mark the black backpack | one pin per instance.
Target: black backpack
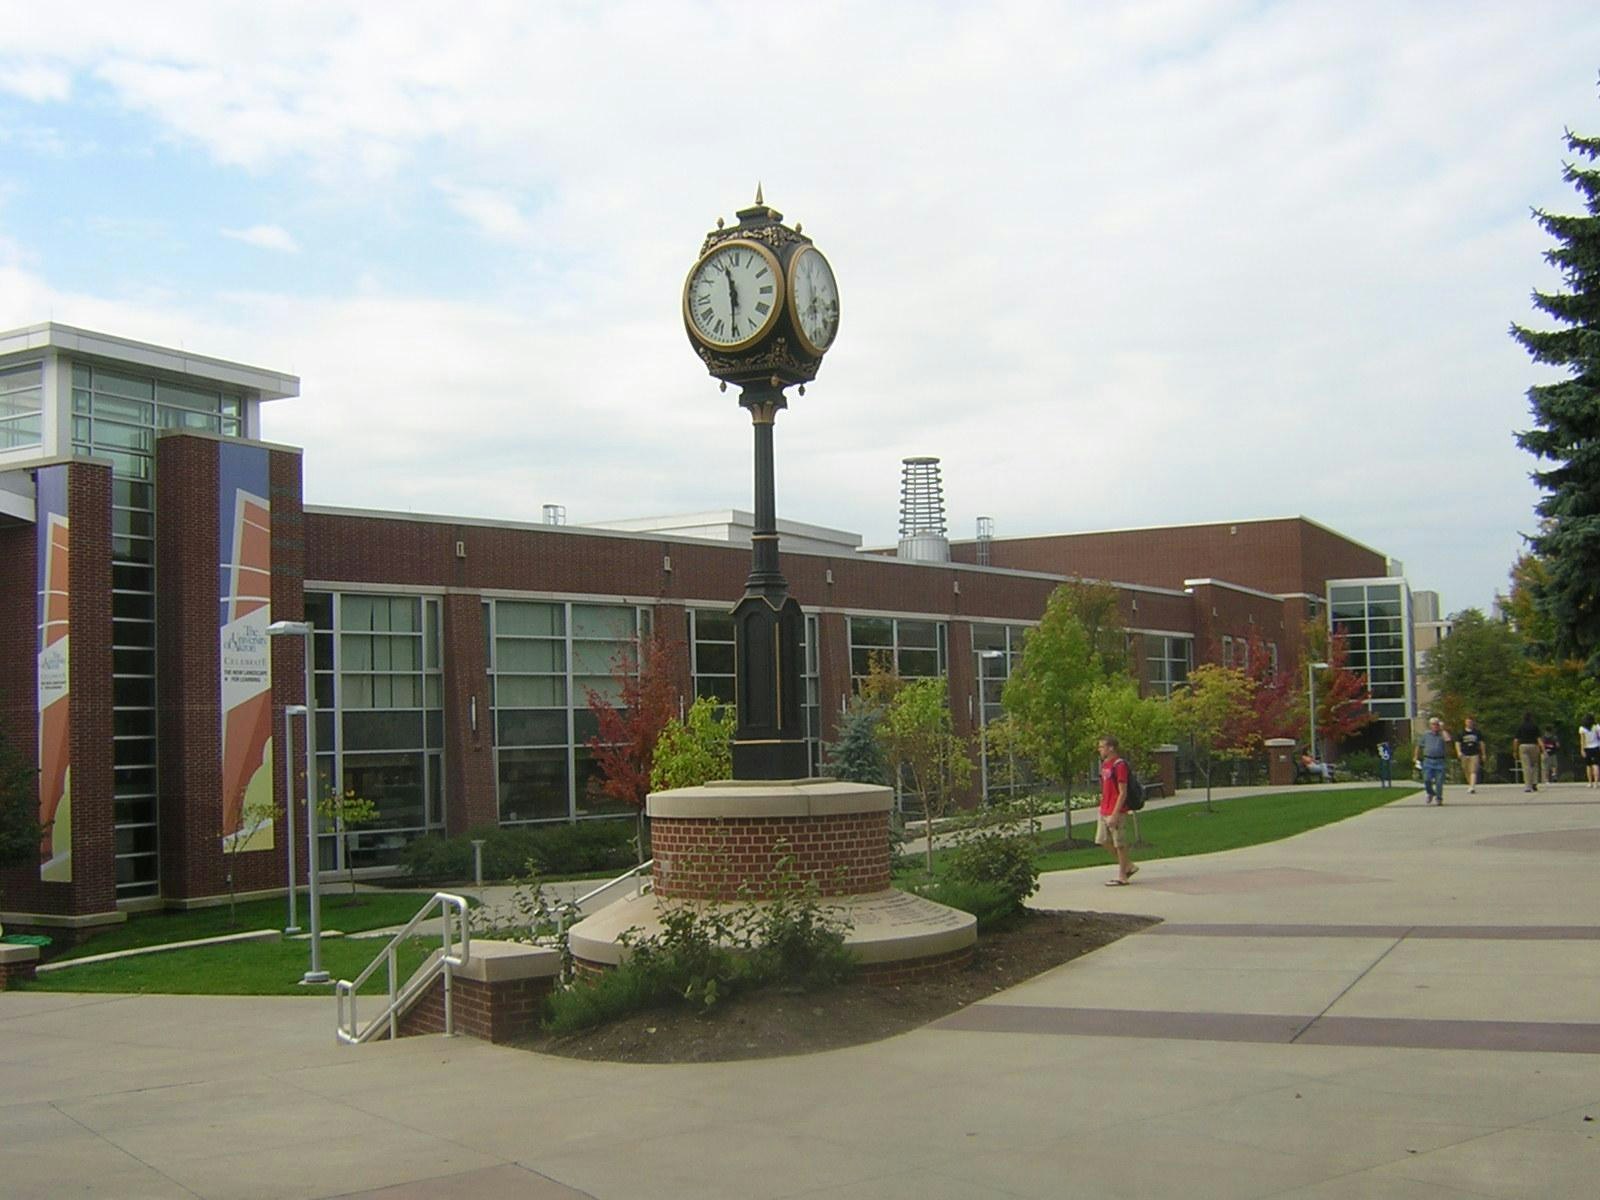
(1135, 798)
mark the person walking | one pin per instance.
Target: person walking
(1385, 764)
(1526, 747)
(1110, 830)
(1549, 747)
(1431, 749)
(1589, 747)
(1469, 749)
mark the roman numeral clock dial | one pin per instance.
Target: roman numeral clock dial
(734, 295)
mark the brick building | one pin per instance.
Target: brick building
(148, 536)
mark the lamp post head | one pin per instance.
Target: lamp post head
(1319, 666)
(283, 628)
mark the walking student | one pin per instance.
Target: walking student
(1431, 749)
(1469, 749)
(1385, 764)
(1526, 747)
(1589, 745)
(1110, 830)
(1549, 748)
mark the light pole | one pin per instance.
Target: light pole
(303, 630)
(983, 720)
(290, 712)
(1311, 688)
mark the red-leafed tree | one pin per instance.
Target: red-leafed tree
(1277, 705)
(1343, 707)
(645, 679)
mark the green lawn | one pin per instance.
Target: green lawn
(373, 910)
(1190, 829)
(236, 968)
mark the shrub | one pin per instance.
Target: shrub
(556, 849)
(704, 954)
(997, 857)
(991, 903)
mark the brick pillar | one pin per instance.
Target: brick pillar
(1280, 762)
(1166, 759)
(94, 868)
(833, 638)
(188, 666)
(470, 789)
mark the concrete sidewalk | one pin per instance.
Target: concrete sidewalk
(1406, 1004)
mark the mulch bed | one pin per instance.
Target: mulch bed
(772, 1023)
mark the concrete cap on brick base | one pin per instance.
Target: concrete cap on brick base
(502, 962)
(885, 927)
(771, 798)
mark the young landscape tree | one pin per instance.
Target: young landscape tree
(644, 696)
(1481, 670)
(346, 811)
(856, 753)
(1215, 716)
(1343, 701)
(695, 750)
(1077, 644)
(924, 750)
(1566, 417)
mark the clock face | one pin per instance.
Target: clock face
(733, 296)
(815, 299)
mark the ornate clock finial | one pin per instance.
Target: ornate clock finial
(759, 200)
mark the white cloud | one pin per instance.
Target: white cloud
(494, 213)
(266, 237)
(35, 81)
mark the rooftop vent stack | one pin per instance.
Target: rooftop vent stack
(985, 536)
(555, 514)
(922, 527)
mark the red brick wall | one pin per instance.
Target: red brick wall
(470, 790)
(711, 858)
(1278, 555)
(495, 1012)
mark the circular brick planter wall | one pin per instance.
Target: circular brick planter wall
(730, 839)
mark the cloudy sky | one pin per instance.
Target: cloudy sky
(1115, 264)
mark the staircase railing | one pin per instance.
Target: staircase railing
(577, 906)
(455, 948)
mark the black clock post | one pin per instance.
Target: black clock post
(770, 338)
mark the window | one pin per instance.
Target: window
(380, 715)
(1227, 651)
(21, 405)
(545, 658)
(912, 649)
(1168, 660)
(1374, 619)
(996, 651)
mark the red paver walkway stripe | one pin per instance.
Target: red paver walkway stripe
(1546, 933)
(1279, 1029)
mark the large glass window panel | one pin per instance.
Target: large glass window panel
(382, 730)
(533, 785)
(529, 618)
(871, 631)
(131, 386)
(531, 655)
(604, 621)
(201, 399)
(530, 691)
(532, 727)
(396, 783)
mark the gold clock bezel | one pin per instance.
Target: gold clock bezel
(779, 296)
(794, 303)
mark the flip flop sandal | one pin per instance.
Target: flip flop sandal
(1133, 870)
(1116, 883)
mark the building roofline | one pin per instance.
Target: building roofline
(1208, 581)
(272, 385)
(1020, 537)
(676, 538)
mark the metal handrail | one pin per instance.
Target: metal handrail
(455, 948)
(577, 905)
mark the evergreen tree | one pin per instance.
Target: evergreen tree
(857, 754)
(1566, 416)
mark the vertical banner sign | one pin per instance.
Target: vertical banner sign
(55, 719)
(245, 528)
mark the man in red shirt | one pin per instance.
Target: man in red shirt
(1108, 831)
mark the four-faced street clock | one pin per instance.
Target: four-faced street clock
(761, 308)
(761, 303)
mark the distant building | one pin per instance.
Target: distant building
(152, 537)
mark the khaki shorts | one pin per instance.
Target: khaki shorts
(1107, 835)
